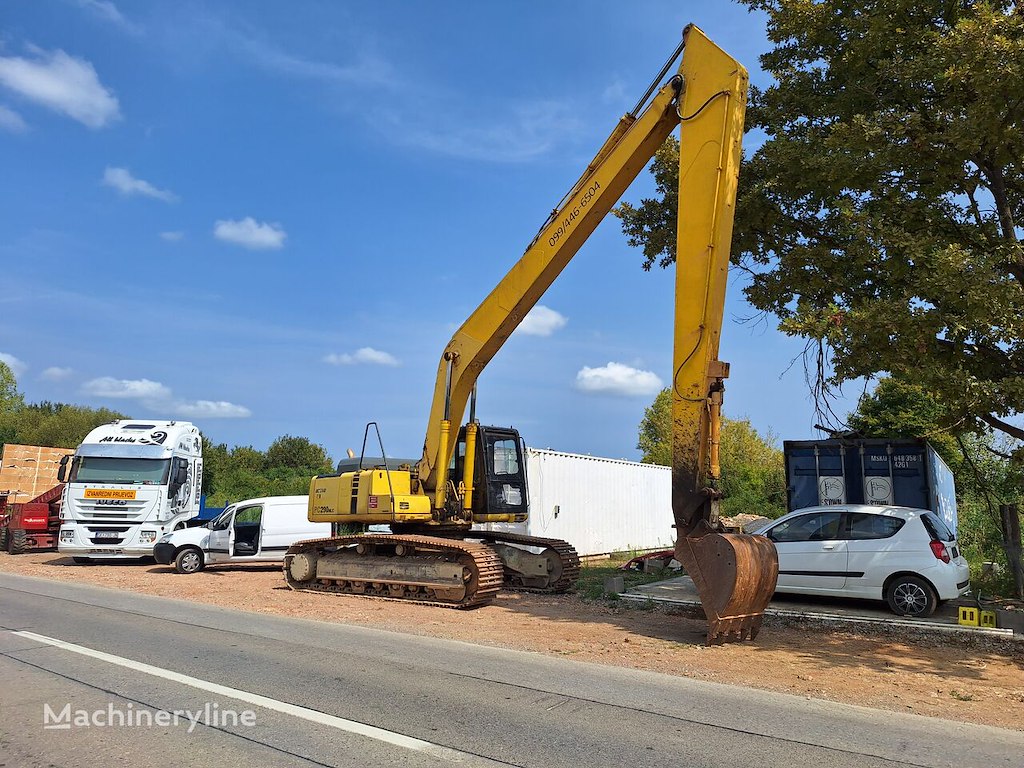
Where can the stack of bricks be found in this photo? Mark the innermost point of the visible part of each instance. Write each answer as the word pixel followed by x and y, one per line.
pixel 26 471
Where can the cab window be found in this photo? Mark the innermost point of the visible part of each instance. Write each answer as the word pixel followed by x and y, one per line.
pixel 504 456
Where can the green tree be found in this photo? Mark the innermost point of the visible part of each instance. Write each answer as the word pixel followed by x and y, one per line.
pixel 297 453
pixel 10 398
pixel 655 439
pixel 896 409
pixel 59 425
pixel 234 474
pixel 879 217
pixel 11 402
pixel 753 476
pixel 753 471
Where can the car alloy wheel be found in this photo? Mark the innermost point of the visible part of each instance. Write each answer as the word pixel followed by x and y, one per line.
pixel 911 596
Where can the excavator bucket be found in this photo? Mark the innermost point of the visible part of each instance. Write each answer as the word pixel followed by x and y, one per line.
pixel 735 577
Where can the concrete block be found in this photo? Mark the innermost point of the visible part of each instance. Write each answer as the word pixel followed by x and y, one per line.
pixel 614 585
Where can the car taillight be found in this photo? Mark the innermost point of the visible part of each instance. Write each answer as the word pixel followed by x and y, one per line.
pixel 939 550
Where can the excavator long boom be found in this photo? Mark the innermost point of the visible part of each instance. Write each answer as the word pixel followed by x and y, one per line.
pixel 735 574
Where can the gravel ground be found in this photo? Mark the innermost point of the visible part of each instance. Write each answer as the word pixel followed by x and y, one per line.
pixel 977 680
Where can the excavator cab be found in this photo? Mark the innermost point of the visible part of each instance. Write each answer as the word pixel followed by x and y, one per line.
pixel 499 492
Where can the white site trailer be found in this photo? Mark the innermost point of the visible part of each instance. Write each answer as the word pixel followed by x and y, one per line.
pixel 598 505
pixel 129 483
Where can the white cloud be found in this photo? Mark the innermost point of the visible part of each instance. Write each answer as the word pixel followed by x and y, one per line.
pixel 11 120
pixel 156 397
pixel 211 409
pixel 63 84
pixel 122 180
pixel 250 234
pixel 364 356
pixel 172 237
pixel 17 366
pixel 135 389
pixel 618 379
pixel 55 373
pixel 542 321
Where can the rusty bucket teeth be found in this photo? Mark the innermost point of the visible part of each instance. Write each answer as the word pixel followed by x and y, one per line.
pixel 735 577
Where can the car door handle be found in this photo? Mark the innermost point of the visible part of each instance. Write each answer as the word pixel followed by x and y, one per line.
pixel 828 546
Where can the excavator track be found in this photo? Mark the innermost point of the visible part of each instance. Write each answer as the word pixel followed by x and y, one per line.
pixel 428 570
pixel 561 569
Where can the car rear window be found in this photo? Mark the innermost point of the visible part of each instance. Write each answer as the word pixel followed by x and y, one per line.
pixel 867 526
pixel 936 528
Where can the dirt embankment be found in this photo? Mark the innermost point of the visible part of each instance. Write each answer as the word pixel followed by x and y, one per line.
pixel 974 680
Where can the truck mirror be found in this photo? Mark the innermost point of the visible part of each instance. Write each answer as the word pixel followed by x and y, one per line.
pixel 179 476
pixel 62 472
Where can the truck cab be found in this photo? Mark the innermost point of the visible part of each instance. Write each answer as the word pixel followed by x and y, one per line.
pixel 127 484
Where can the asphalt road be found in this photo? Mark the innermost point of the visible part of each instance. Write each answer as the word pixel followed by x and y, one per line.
pixel 93 677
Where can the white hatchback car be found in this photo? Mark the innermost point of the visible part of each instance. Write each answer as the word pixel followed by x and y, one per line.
pixel 907 557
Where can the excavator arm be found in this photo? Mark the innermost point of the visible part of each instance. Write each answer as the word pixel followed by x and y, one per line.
pixel 734 574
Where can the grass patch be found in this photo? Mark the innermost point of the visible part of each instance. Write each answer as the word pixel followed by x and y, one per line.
pixel 590 586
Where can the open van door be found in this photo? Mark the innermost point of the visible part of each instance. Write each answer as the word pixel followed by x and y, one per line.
pixel 245 540
pixel 221 540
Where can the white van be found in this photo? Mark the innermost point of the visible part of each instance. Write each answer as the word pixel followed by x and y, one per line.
pixel 252 531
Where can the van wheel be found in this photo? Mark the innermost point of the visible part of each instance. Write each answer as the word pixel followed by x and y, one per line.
pixel 189 560
pixel 911 596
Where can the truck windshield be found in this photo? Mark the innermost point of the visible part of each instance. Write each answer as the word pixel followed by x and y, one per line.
pixel 102 469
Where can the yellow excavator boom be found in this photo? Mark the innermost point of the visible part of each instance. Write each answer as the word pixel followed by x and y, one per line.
pixel 734 573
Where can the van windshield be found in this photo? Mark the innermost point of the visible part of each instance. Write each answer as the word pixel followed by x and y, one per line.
pixel 105 469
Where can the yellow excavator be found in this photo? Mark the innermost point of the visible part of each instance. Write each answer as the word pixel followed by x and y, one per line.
pixel 476 474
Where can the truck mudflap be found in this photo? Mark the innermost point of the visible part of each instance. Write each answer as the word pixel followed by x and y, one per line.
pixel 735 576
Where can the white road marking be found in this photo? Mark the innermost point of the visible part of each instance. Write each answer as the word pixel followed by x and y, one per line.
pixel 361 729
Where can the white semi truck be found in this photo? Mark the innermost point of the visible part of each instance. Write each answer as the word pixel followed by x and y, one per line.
pixel 129 483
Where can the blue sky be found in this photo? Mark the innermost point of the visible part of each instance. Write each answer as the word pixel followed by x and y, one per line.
pixel 268 218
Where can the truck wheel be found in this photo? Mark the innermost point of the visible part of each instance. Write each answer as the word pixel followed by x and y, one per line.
pixel 911 596
pixel 16 542
pixel 189 560
pixel 3 537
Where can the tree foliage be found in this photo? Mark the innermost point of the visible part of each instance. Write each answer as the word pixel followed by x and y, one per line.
pixel 880 217
pixel 897 409
pixel 244 472
pixel 753 476
pixel 58 425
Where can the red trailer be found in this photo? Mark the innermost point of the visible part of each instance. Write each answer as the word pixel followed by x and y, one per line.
pixel 31 524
